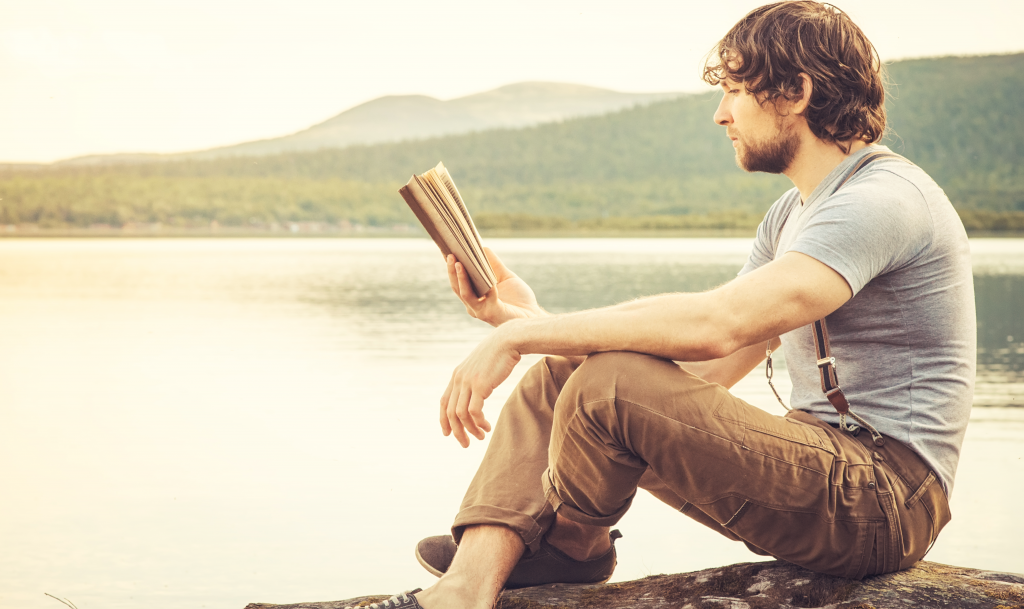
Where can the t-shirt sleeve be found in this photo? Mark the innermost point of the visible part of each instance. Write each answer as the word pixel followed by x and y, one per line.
pixel 763 250
pixel 873 226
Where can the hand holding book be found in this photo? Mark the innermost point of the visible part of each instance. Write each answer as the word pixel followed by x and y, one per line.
pixel 472 269
pixel 516 301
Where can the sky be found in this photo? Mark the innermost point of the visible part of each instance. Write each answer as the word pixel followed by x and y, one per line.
pixel 109 76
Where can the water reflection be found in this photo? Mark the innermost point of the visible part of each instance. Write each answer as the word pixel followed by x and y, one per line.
pixel 1000 302
pixel 393 300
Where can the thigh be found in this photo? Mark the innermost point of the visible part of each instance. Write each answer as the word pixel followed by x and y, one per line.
pixel 783 484
pixel 703 442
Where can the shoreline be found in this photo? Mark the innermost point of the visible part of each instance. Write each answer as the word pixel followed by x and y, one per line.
pixel 405 232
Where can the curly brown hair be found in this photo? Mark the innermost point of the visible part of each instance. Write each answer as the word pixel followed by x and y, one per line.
pixel 770 47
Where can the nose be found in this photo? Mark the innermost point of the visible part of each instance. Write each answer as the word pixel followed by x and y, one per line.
pixel 722 115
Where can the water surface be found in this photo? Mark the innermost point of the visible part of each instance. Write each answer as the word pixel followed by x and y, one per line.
pixel 208 423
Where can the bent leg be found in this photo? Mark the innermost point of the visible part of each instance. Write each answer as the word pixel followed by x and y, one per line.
pixel 780 484
pixel 506 489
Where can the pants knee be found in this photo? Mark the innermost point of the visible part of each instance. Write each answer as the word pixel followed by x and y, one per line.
pixel 550 367
pixel 618 373
pixel 615 366
pixel 609 382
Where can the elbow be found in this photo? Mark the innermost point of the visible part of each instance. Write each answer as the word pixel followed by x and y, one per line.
pixel 733 343
pixel 723 346
pixel 724 336
pixel 715 326
pixel 703 345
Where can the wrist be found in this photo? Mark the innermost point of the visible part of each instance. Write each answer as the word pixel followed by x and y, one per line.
pixel 511 335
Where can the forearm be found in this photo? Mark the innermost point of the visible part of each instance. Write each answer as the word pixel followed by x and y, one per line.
pixel 682 327
pixel 729 370
pixel 786 294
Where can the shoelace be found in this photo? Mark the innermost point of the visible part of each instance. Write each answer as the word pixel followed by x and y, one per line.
pixel 395 600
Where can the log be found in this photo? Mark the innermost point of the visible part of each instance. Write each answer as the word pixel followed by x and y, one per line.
pixel 762 585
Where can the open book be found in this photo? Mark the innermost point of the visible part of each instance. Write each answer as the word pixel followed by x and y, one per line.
pixel 439 208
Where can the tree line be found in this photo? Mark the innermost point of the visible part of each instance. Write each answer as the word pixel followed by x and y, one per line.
pixel 666 165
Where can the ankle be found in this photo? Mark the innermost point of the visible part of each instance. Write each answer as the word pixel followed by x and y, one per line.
pixel 452 593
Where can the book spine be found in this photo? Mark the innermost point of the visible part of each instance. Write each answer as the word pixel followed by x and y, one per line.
pixel 424 219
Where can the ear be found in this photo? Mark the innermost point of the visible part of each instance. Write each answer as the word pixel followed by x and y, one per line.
pixel 800 103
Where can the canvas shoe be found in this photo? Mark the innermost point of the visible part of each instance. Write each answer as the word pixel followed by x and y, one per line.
pixel 548 565
pixel 405 600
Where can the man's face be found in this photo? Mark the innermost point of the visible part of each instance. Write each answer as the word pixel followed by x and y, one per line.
pixel 762 138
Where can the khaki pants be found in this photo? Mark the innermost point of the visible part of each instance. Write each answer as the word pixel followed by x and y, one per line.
pixel 581 440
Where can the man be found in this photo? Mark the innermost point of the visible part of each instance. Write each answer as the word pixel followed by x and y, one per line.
pixel 875 248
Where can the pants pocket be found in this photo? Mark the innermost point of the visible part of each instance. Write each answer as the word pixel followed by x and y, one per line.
pixel 924 512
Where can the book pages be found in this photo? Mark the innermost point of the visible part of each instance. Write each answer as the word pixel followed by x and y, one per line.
pixel 453 203
pixel 453 220
pixel 449 184
pixel 439 207
pixel 419 200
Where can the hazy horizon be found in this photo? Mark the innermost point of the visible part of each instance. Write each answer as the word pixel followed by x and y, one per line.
pixel 116 76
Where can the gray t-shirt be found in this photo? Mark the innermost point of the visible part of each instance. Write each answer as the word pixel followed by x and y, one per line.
pixel 905 344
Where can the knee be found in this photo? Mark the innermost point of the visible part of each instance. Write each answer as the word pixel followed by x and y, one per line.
pixel 618 368
pixel 551 368
pixel 621 376
pixel 615 374
pixel 541 385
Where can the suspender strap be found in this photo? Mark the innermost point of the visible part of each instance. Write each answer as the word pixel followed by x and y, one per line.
pixel 827 369
pixel 827 363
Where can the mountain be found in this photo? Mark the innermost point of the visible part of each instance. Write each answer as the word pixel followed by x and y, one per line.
pixel 408 117
pixel 660 164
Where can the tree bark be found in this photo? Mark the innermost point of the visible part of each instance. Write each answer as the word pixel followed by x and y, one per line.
pixel 763 585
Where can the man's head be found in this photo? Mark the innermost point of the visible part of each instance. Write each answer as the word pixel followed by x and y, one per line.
pixel 810 56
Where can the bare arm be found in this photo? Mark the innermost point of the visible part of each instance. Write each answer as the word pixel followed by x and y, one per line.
pixel 729 370
pixel 785 294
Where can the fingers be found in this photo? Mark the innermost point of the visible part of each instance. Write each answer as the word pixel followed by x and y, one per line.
pixel 451 412
pixel 453 278
pixel 476 413
pixel 460 283
pixel 466 292
pixel 446 427
pixel 462 411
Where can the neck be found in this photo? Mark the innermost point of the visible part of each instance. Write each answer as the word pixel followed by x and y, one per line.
pixel 814 160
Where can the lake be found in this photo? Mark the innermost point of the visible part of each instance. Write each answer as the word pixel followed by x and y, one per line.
pixel 190 423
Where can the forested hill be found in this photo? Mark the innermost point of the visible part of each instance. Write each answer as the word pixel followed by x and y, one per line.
pixel 959 118
pixel 403 117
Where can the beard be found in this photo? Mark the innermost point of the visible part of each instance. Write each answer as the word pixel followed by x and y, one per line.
pixel 772 156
